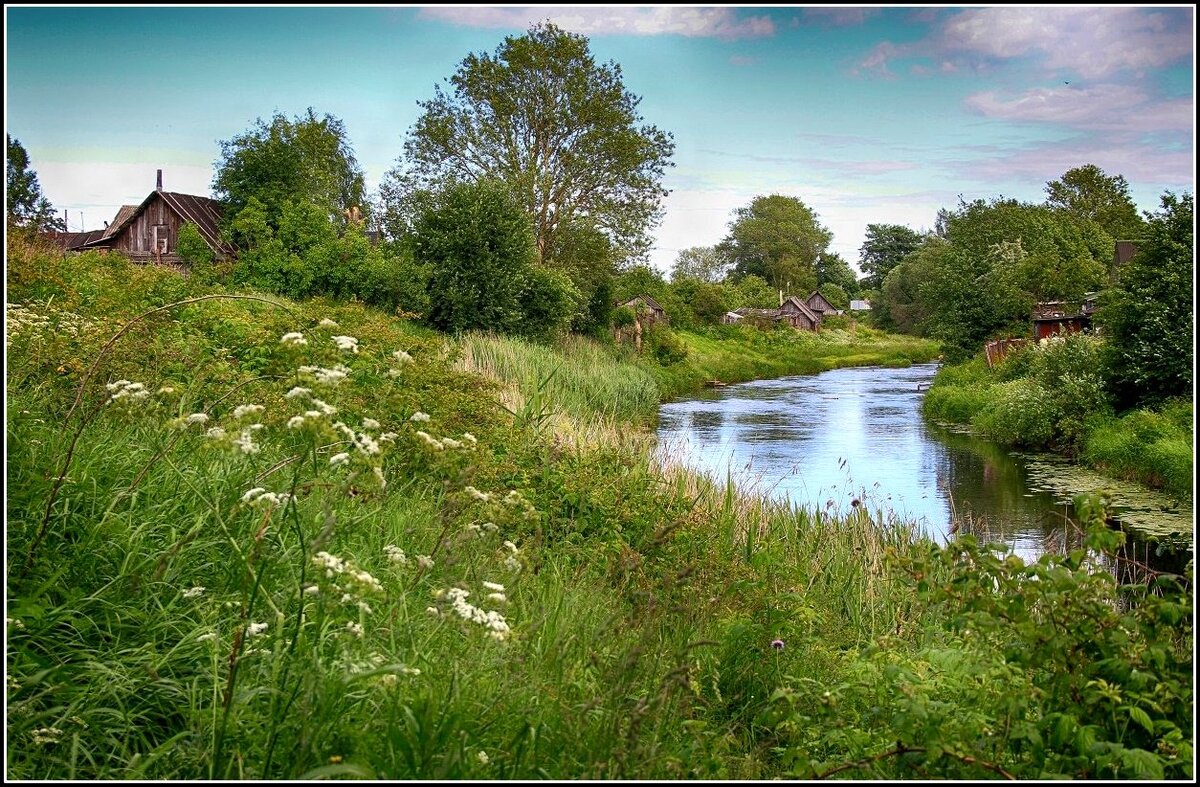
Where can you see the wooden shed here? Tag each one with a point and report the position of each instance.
(799, 314)
(820, 304)
(149, 232)
(646, 305)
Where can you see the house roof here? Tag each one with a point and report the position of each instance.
(817, 294)
(804, 308)
(653, 304)
(203, 212)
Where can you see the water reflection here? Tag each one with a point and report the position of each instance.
(825, 440)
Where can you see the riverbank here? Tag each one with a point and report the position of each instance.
(1051, 399)
(257, 538)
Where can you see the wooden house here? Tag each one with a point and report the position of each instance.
(1058, 318)
(818, 303)
(649, 308)
(731, 318)
(799, 314)
(149, 232)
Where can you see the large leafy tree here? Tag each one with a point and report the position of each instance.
(1088, 193)
(833, 270)
(27, 207)
(778, 238)
(886, 245)
(305, 160)
(1149, 316)
(701, 263)
(560, 130)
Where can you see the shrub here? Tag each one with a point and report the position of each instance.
(1022, 413)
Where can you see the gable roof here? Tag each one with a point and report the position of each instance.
(817, 294)
(803, 308)
(653, 304)
(203, 212)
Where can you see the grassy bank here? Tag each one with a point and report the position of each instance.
(242, 545)
(1051, 398)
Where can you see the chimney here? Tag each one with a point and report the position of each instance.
(158, 183)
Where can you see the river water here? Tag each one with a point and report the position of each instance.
(824, 441)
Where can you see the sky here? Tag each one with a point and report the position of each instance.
(868, 115)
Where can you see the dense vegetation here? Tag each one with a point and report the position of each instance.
(1119, 401)
(251, 537)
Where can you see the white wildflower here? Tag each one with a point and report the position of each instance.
(388, 437)
(430, 440)
(370, 423)
(331, 563)
(326, 409)
(419, 417)
(346, 343)
(208, 636)
(366, 444)
(295, 337)
(378, 471)
(402, 356)
(113, 387)
(45, 735)
(449, 442)
(482, 756)
(490, 527)
(346, 598)
(511, 547)
(245, 442)
(195, 418)
(327, 323)
(433, 612)
(365, 607)
(470, 438)
(313, 414)
(512, 564)
(254, 629)
(499, 598)
(395, 554)
(194, 592)
(297, 391)
(243, 410)
(215, 433)
(482, 497)
(496, 586)
(339, 459)
(311, 590)
(295, 422)
(425, 561)
(354, 629)
(166, 389)
(410, 670)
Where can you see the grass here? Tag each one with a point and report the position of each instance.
(420, 585)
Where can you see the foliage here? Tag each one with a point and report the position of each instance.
(195, 252)
(478, 245)
(1149, 316)
(885, 247)
(703, 263)
(1150, 446)
(1046, 670)
(26, 207)
(835, 295)
(307, 160)
(664, 346)
(778, 238)
(558, 129)
(1086, 192)
(753, 291)
(548, 301)
(832, 269)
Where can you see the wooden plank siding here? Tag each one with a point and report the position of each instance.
(136, 239)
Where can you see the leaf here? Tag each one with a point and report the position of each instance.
(1141, 717)
(1144, 764)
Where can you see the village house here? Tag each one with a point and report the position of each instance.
(149, 232)
(818, 303)
(793, 312)
(860, 306)
(648, 307)
(1055, 318)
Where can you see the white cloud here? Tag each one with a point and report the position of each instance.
(1092, 42)
(723, 23)
(1098, 107)
(839, 17)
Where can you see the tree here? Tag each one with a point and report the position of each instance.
(702, 263)
(27, 208)
(1149, 316)
(308, 160)
(835, 295)
(559, 130)
(478, 244)
(885, 247)
(1087, 193)
(778, 238)
(832, 269)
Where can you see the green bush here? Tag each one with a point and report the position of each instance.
(1021, 413)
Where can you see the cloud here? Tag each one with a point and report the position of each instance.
(1092, 42)
(1106, 107)
(723, 23)
(742, 60)
(839, 17)
(100, 189)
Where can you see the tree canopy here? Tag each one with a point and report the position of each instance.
(1088, 193)
(308, 159)
(558, 129)
(886, 245)
(702, 263)
(1149, 317)
(27, 207)
(778, 238)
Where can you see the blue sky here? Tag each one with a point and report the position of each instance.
(868, 115)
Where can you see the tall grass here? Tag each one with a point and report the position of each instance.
(197, 609)
(578, 376)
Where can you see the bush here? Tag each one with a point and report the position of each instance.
(665, 347)
(195, 252)
(1021, 413)
(548, 301)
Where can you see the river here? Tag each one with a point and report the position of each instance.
(826, 440)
